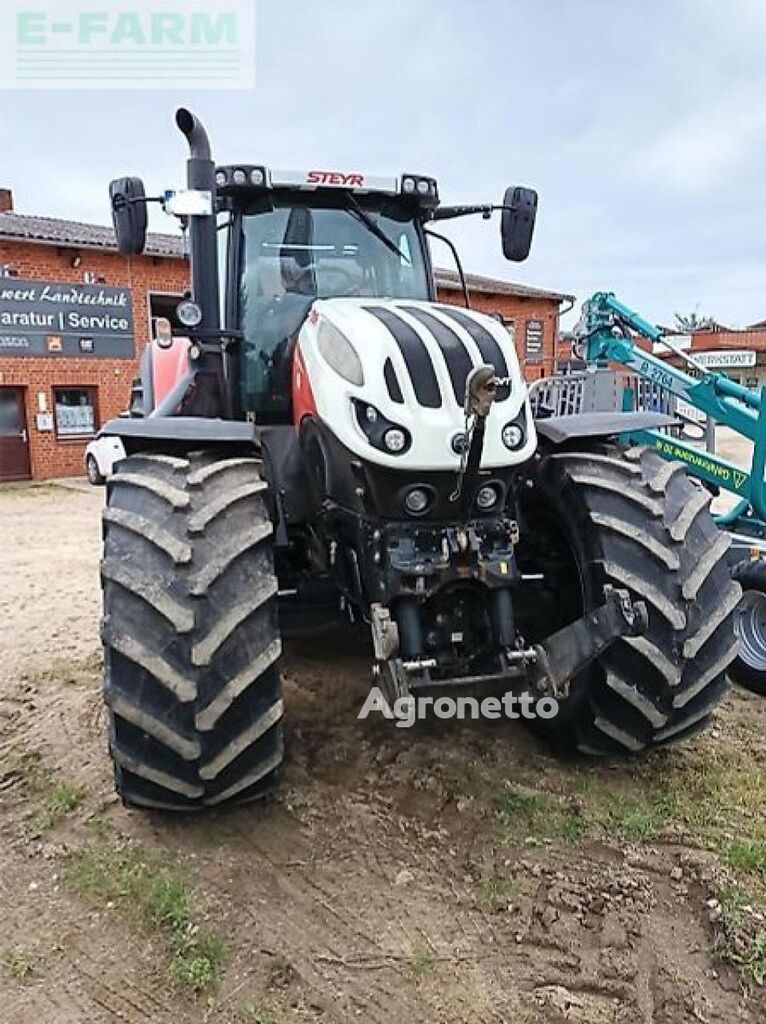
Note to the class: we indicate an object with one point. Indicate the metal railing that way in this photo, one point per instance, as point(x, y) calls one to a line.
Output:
point(605, 390)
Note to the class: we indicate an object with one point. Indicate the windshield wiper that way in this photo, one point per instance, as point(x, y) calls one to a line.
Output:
point(372, 226)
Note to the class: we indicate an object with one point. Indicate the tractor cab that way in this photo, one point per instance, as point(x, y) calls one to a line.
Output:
point(266, 245)
point(295, 237)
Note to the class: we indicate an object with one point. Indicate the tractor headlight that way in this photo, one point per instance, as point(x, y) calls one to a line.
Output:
point(487, 497)
point(513, 436)
point(395, 440)
point(417, 500)
point(189, 313)
point(421, 189)
point(338, 352)
point(459, 443)
point(379, 430)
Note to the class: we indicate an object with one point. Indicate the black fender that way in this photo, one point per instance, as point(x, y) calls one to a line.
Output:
point(560, 429)
point(182, 433)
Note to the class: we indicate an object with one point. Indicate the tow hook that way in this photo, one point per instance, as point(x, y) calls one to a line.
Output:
point(566, 653)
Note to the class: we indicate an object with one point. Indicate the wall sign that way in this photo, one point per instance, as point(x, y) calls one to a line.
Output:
point(726, 358)
point(50, 318)
point(533, 339)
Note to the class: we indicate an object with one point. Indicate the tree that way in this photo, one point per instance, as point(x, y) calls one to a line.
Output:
point(690, 322)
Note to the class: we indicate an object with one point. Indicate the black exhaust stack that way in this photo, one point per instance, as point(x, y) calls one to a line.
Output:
point(200, 175)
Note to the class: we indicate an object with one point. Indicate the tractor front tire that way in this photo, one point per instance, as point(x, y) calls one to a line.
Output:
point(749, 668)
point(190, 632)
point(636, 521)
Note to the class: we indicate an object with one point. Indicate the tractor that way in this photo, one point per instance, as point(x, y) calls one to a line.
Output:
point(325, 442)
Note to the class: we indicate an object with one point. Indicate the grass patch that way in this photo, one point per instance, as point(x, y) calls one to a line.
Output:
point(197, 960)
point(55, 797)
point(602, 804)
point(538, 816)
point(19, 964)
point(746, 855)
point(421, 960)
point(724, 793)
point(62, 799)
point(260, 1013)
point(495, 893)
point(641, 816)
point(743, 938)
point(157, 897)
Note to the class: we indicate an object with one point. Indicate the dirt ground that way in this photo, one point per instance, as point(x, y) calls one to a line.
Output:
point(444, 874)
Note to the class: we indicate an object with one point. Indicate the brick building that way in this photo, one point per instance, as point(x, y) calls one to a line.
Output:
point(741, 355)
point(530, 314)
point(75, 316)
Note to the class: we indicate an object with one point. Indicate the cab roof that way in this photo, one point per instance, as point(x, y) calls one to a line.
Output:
point(235, 178)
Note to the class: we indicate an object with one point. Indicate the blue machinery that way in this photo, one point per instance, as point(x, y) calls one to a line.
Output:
point(602, 336)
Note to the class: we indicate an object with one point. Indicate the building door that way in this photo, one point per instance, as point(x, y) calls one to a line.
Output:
point(14, 443)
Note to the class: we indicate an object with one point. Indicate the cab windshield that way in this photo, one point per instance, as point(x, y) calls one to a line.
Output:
point(298, 250)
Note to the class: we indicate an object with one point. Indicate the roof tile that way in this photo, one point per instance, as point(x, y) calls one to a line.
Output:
point(75, 233)
point(98, 236)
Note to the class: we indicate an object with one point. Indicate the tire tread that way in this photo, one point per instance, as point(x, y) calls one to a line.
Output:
point(190, 632)
point(644, 691)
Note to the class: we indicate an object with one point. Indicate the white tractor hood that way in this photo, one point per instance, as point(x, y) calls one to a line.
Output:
point(410, 361)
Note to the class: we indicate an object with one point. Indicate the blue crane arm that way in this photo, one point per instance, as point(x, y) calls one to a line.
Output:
point(603, 331)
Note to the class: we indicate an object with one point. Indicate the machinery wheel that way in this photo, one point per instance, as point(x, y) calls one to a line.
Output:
point(749, 668)
point(93, 473)
point(190, 632)
point(632, 519)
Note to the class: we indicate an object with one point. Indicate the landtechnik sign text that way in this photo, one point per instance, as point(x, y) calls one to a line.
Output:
point(50, 318)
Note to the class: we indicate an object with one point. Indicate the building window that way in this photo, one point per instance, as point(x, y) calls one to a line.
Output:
point(533, 340)
point(510, 325)
point(75, 411)
point(164, 305)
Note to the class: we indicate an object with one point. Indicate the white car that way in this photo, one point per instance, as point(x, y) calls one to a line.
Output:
point(100, 457)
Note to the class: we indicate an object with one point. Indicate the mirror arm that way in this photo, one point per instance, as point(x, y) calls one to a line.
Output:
point(449, 212)
point(453, 249)
point(120, 200)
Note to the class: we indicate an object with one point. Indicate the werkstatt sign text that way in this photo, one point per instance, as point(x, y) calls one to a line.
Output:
point(51, 318)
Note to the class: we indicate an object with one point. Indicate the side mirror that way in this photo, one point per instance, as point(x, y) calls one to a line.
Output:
point(518, 222)
point(128, 201)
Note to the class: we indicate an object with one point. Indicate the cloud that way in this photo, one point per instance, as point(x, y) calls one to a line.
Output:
point(641, 125)
point(706, 150)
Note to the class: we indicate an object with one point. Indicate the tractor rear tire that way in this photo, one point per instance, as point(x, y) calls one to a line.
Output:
point(636, 521)
point(749, 668)
point(190, 632)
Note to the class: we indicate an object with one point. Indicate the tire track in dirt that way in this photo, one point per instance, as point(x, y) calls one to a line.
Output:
point(87, 967)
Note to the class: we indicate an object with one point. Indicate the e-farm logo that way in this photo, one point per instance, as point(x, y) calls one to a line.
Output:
point(127, 44)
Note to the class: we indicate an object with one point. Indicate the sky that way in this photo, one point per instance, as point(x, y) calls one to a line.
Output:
point(641, 124)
